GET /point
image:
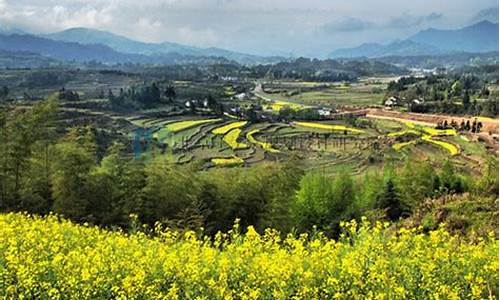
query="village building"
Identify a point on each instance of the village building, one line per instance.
(391, 102)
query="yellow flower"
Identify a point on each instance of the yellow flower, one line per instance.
(63, 260)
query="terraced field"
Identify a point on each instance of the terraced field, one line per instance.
(427, 134)
(328, 146)
(266, 146)
(328, 127)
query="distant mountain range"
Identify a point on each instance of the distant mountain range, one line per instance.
(85, 45)
(125, 45)
(65, 51)
(478, 38)
(80, 45)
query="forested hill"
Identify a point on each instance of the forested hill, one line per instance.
(327, 70)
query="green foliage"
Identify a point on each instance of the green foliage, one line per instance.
(25, 136)
(456, 88)
(70, 181)
(369, 191)
(417, 181)
(488, 184)
(259, 195)
(472, 215)
(168, 191)
(116, 188)
(323, 202)
(40, 173)
(454, 93)
(450, 181)
(143, 97)
(311, 206)
(390, 201)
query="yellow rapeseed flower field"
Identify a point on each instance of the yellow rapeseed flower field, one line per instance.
(231, 138)
(439, 132)
(227, 161)
(328, 126)
(264, 145)
(279, 105)
(454, 150)
(48, 258)
(226, 128)
(419, 130)
(398, 146)
(404, 132)
(178, 126)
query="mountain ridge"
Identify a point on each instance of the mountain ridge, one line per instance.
(76, 52)
(124, 44)
(478, 38)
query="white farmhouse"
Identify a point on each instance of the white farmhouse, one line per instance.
(325, 112)
(392, 101)
(241, 96)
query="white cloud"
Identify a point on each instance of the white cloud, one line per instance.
(258, 26)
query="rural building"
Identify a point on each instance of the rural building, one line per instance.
(391, 102)
(241, 96)
(326, 112)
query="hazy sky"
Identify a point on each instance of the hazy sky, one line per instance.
(311, 28)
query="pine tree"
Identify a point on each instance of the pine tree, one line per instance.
(390, 200)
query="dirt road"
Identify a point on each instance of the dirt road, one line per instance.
(489, 125)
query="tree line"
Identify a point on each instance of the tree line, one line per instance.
(454, 93)
(147, 96)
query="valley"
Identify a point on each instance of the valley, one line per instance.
(249, 150)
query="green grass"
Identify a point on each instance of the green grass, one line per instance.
(464, 214)
(172, 139)
(385, 126)
(470, 147)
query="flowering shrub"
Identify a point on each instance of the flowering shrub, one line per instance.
(44, 258)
